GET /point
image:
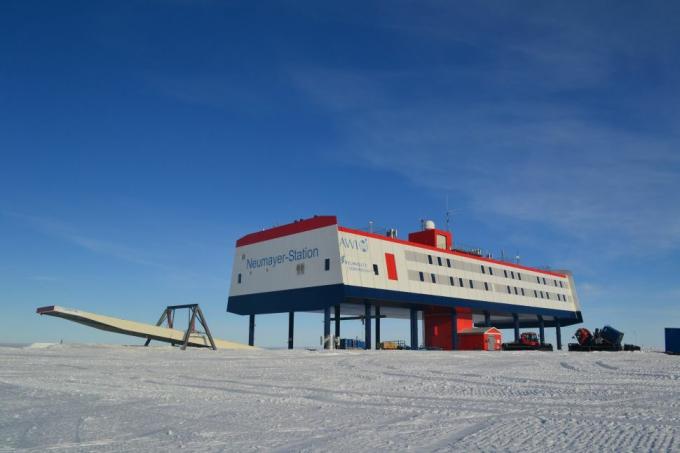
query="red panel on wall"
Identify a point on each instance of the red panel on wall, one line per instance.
(391, 266)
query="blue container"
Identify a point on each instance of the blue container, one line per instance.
(351, 343)
(612, 335)
(672, 340)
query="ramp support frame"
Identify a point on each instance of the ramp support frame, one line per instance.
(195, 314)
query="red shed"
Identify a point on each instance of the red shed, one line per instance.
(480, 338)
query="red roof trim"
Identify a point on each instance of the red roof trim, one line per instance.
(450, 252)
(288, 229)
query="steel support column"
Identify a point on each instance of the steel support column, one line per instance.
(487, 319)
(541, 329)
(337, 321)
(327, 328)
(515, 322)
(291, 328)
(558, 334)
(251, 330)
(414, 328)
(367, 325)
(377, 327)
(454, 330)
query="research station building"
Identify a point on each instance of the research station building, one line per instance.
(316, 265)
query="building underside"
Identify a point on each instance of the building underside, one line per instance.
(341, 302)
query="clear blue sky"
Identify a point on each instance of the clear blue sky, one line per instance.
(138, 141)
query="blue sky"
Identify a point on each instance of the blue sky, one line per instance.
(138, 141)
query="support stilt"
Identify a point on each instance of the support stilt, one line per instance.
(454, 330)
(377, 327)
(251, 330)
(337, 321)
(291, 328)
(414, 328)
(327, 328)
(367, 325)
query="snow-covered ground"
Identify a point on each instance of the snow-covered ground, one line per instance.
(116, 398)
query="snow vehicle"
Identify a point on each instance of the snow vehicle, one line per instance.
(528, 341)
(605, 339)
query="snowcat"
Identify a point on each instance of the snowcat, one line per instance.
(528, 341)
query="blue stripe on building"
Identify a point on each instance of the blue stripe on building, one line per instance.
(320, 297)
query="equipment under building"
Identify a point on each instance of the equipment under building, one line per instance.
(528, 341)
(317, 265)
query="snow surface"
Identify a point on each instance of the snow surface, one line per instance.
(117, 398)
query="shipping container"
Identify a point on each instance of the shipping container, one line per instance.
(672, 340)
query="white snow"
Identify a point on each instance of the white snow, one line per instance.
(116, 398)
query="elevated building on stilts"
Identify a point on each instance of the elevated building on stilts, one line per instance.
(316, 265)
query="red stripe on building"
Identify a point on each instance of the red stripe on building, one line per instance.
(450, 252)
(391, 266)
(286, 230)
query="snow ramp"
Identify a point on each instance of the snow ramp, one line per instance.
(136, 329)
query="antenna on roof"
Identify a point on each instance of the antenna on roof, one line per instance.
(448, 212)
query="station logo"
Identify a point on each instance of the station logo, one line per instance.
(360, 245)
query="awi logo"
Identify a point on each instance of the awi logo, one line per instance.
(354, 244)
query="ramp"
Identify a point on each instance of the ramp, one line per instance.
(134, 328)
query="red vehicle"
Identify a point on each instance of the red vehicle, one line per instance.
(528, 341)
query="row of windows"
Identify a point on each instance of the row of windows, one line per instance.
(478, 268)
(485, 286)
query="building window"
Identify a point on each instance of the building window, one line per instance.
(544, 282)
(547, 294)
(432, 277)
(486, 286)
(483, 270)
(535, 294)
(509, 291)
(451, 280)
(439, 260)
(522, 290)
(239, 279)
(538, 280)
(519, 276)
(490, 270)
(429, 259)
(448, 262)
(472, 285)
(422, 277)
(505, 273)
(327, 264)
(513, 274)
(542, 295)
(460, 281)
(516, 291)
(375, 269)
(300, 268)
(561, 284)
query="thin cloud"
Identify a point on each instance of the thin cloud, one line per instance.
(67, 233)
(540, 125)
